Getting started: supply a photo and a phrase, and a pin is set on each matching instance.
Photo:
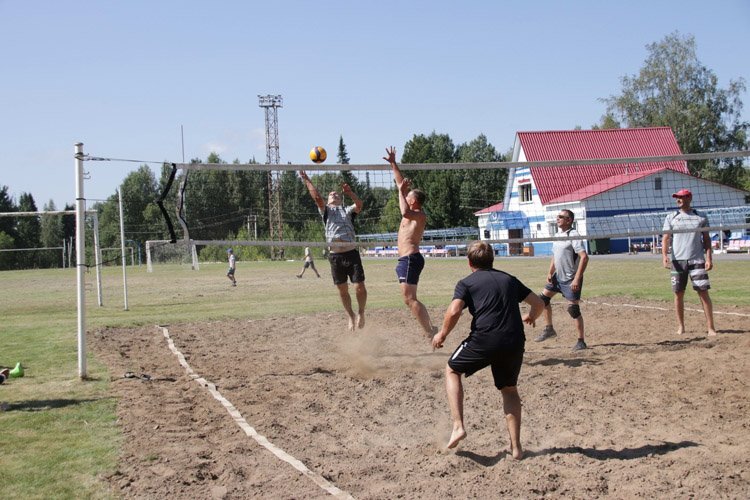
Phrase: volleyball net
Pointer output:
(619, 205)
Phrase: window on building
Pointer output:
(524, 192)
(657, 183)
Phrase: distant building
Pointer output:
(606, 199)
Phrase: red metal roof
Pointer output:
(497, 207)
(559, 183)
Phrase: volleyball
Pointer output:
(318, 154)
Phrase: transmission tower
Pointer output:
(271, 103)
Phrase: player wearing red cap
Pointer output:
(690, 256)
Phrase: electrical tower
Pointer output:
(271, 103)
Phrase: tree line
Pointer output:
(673, 88)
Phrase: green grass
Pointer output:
(59, 434)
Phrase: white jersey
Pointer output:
(686, 246)
(566, 255)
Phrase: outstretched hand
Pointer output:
(405, 183)
(391, 158)
(347, 189)
(303, 175)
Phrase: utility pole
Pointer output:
(271, 103)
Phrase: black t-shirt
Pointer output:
(492, 297)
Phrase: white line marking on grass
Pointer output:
(664, 308)
(249, 430)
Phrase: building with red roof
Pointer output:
(606, 198)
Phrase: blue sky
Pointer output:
(123, 77)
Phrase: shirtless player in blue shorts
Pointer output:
(410, 261)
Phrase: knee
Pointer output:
(545, 299)
(574, 310)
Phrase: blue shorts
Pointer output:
(564, 288)
(409, 268)
(505, 364)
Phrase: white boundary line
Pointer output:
(663, 308)
(249, 430)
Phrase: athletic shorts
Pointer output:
(696, 269)
(346, 265)
(409, 268)
(230, 272)
(308, 264)
(505, 364)
(566, 289)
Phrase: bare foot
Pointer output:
(712, 333)
(516, 454)
(456, 436)
(351, 323)
(680, 330)
(361, 320)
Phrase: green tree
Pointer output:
(50, 235)
(27, 229)
(674, 89)
(480, 188)
(7, 224)
(342, 155)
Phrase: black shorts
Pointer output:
(346, 265)
(505, 363)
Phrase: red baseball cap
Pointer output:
(682, 193)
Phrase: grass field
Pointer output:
(59, 434)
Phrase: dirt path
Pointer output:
(641, 413)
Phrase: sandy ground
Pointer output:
(642, 413)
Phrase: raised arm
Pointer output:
(312, 190)
(351, 194)
(398, 176)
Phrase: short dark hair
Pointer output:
(570, 213)
(420, 196)
(481, 255)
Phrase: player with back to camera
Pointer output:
(690, 255)
(496, 338)
(410, 231)
(232, 266)
(569, 261)
(343, 255)
(309, 262)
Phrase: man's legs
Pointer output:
(512, 409)
(548, 309)
(708, 310)
(455, 391)
(418, 309)
(549, 330)
(579, 320)
(304, 268)
(679, 307)
(346, 300)
(361, 292)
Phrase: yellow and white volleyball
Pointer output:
(318, 154)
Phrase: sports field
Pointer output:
(275, 399)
